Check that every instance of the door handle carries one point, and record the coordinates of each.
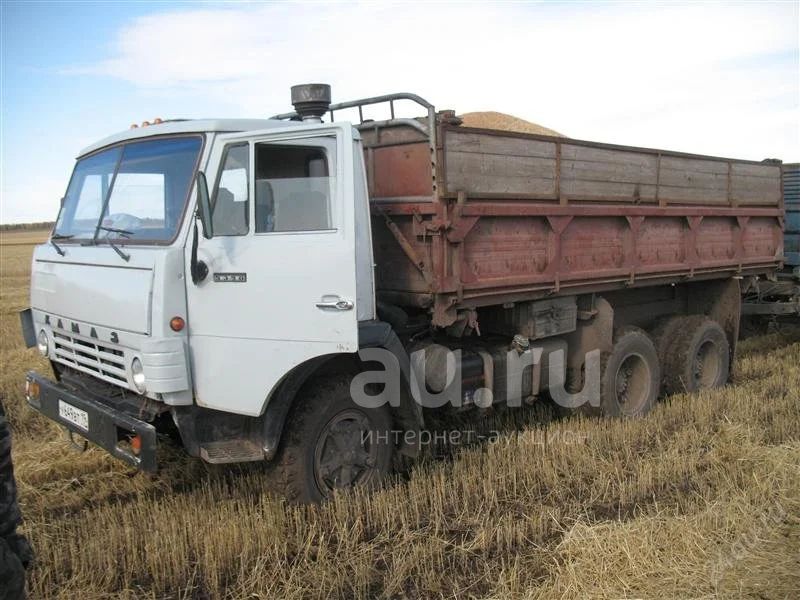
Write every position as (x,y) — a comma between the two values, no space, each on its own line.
(336,305)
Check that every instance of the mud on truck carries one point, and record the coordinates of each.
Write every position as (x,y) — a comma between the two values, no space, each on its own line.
(296,289)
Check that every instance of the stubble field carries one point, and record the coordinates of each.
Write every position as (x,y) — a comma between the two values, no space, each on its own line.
(700,500)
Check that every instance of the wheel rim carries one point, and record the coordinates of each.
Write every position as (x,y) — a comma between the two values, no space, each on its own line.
(632,383)
(345,454)
(706,365)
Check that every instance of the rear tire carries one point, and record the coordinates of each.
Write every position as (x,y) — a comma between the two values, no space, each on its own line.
(629,378)
(698,358)
(631,375)
(664,333)
(331,443)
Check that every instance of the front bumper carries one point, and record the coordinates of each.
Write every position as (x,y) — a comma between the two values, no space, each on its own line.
(107,427)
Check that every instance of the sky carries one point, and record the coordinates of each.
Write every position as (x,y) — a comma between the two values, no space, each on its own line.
(708,78)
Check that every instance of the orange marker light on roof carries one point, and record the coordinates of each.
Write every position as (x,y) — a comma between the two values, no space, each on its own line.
(145,123)
(157,121)
(134,126)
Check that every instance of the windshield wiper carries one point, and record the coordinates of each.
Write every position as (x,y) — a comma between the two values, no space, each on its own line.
(59,236)
(124,232)
(124,256)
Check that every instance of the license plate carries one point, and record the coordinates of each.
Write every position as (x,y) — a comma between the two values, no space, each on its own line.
(74,415)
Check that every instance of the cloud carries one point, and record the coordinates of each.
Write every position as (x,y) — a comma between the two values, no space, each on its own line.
(712,78)
(25,201)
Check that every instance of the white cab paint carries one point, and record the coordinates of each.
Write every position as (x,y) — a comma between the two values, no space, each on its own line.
(93,290)
(245,337)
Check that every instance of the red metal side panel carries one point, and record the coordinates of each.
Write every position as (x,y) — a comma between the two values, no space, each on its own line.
(475,246)
(499,249)
(400,171)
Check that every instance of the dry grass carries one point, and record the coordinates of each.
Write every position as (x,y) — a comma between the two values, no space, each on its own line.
(702,499)
(23,237)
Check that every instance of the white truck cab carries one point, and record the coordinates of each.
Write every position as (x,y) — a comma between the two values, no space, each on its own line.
(145,308)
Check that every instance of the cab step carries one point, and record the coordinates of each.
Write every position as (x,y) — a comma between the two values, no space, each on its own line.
(231,451)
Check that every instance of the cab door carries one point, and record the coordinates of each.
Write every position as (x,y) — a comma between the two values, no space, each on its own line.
(281,283)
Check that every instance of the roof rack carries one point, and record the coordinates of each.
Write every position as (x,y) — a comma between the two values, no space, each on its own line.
(427,129)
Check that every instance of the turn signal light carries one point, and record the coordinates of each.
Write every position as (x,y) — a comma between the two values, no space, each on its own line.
(31,390)
(136,444)
(177,324)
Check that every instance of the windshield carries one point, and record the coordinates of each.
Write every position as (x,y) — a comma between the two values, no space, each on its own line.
(134,191)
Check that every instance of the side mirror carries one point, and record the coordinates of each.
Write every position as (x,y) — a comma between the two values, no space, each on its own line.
(204,206)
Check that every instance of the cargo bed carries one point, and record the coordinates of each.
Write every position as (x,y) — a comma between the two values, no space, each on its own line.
(466,217)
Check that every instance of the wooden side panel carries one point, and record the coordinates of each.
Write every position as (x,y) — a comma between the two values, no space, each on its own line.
(693,181)
(491,165)
(486,164)
(598,174)
(755,184)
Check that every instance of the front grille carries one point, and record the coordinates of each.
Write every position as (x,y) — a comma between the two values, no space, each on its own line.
(90,357)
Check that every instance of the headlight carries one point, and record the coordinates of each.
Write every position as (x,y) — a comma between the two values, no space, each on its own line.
(43,343)
(138,376)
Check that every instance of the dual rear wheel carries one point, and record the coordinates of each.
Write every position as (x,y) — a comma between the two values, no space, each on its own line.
(683,354)
(696,356)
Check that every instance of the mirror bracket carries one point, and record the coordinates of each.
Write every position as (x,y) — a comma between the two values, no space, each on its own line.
(204,206)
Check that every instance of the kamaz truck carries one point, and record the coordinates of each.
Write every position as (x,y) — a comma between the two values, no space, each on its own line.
(308,291)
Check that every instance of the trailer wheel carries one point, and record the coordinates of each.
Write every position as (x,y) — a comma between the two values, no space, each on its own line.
(630,377)
(331,443)
(698,358)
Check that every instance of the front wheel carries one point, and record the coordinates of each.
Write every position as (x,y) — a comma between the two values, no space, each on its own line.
(331,443)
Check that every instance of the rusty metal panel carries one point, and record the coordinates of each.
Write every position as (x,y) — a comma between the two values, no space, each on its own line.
(400,171)
(524,217)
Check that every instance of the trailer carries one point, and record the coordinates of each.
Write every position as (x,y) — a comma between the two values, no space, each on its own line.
(309,292)
(772,300)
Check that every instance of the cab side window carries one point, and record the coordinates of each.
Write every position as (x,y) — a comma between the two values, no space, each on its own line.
(231,204)
(293,189)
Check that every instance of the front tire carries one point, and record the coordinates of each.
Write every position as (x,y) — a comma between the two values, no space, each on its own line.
(331,443)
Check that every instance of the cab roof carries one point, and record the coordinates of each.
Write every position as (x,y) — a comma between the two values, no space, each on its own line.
(188,126)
